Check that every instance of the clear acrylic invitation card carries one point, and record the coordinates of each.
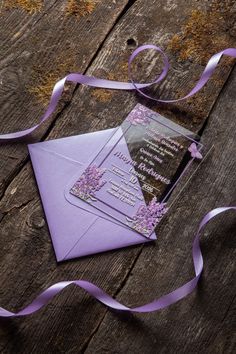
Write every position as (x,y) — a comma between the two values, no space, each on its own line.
(133,175)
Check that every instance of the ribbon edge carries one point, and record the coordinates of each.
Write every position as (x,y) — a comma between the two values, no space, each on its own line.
(110,84)
(166,300)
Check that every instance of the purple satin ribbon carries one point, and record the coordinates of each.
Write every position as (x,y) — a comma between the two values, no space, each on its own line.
(108,301)
(109,84)
(92,289)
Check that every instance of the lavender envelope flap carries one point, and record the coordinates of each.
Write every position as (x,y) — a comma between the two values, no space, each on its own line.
(54,163)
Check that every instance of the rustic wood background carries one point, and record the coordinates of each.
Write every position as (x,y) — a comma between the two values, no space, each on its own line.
(42,41)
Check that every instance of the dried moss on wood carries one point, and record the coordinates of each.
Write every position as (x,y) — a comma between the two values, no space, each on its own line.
(205,32)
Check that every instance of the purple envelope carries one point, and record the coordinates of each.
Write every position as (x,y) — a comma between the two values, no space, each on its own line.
(77,228)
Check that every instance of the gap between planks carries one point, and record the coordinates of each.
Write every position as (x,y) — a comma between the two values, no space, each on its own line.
(51,126)
(53,123)
(123,283)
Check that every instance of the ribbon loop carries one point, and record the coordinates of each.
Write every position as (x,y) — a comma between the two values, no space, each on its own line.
(117,85)
(91,288)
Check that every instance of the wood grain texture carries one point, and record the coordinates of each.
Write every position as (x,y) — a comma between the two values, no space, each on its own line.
(205,320)
(36,51)
(27,261)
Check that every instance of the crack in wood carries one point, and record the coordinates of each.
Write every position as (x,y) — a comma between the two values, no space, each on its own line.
(206,121)
(121,286)
(11,178)
(52,125)
(16,207)
(205,338)
(125,277)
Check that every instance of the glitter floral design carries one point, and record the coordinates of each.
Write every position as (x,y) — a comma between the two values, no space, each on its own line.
(89,183)
(139,116)
(147,217)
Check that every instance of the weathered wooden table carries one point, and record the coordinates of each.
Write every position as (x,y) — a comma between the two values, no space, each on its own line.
(41,41)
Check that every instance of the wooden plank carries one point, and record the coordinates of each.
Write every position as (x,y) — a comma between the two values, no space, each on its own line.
(100,108)
(36,60)
(37,49)
(74,316)
(205,319)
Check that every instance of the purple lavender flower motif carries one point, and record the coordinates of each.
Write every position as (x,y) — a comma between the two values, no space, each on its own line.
(89,183)
(147,217)
(139,116)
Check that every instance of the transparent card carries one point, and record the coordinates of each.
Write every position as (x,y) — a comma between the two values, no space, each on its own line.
(132,177)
